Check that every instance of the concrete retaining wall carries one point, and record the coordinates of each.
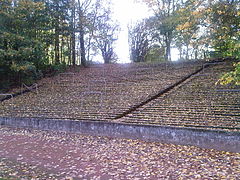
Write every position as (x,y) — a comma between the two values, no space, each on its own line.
(220,140)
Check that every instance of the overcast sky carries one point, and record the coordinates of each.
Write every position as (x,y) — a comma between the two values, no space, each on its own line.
(125,12)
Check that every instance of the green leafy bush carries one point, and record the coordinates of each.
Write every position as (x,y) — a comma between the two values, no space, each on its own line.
(231,77)
(52,69)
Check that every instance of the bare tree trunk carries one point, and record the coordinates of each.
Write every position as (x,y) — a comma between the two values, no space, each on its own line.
(92,32)
(81,33)
(69,42)
(187,53)
(180,50)
(82,47)
(57,45)
(57,32)
(73,49)
(73,37)
(196,54)
(62,57)
(168,49)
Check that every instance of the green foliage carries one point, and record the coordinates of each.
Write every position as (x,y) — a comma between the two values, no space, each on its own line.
(5,85)
(155,53)
(59,68)
(225,33)
(24,67)
(225,26)
(53,69)
(215,54)
(25,41)
(231,77)
(199,27)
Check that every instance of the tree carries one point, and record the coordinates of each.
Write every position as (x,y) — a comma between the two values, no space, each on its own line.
(225,32)
(232,76)
(21,49)
(225,27)
(83,7)
(186,35)
(106,35)
(58,12)
(105,42)
(164,12)
(139,41)
(73,31)
(155,53)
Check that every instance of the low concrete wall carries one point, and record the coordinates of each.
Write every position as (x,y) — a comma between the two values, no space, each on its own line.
(220,140)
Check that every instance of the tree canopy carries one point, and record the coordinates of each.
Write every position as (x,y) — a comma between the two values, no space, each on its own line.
(40,36)
(197,29)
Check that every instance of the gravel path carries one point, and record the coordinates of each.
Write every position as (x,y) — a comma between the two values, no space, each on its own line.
(33,154)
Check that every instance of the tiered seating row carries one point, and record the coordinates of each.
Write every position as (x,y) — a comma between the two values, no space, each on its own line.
(98,92)
(197,103)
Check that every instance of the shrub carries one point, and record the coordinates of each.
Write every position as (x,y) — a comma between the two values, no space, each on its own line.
(231,77)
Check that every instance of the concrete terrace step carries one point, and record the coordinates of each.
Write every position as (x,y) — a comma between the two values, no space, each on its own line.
(190,124)
(211,110)
(123,94)
(185,122)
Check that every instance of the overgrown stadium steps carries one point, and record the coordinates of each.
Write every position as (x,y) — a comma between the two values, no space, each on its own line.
(61,99)
(58,100)
(198,102)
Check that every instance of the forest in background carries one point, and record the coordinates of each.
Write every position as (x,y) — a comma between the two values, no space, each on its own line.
(197,28)
(39,37)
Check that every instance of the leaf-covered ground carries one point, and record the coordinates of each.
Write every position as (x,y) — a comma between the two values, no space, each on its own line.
(32,154)
(198,102)
(104,92)
(13,169)
(98,92)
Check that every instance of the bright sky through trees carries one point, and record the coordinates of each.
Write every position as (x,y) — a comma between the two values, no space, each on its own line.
(125,12)
(39,38)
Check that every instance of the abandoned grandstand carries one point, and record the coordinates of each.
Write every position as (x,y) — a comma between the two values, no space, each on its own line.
(170,102)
